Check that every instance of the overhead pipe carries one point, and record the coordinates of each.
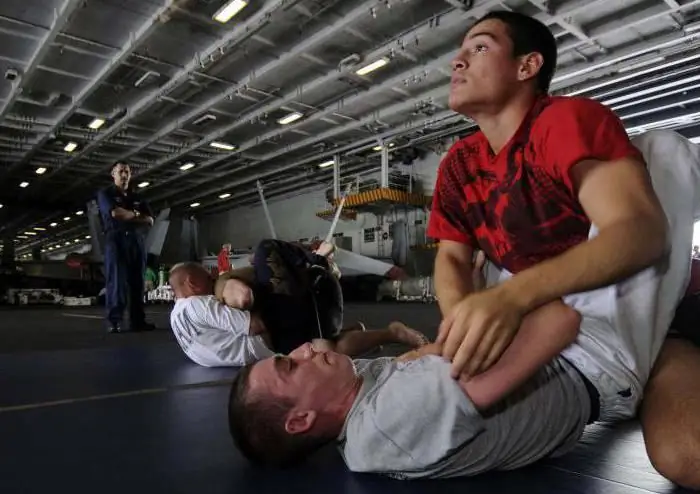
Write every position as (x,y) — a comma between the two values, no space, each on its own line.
(405,39)
(323,113)
(137,38)
(236,35)
(62,15)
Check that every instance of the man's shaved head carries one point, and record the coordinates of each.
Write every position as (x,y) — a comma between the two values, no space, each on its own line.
(190,279)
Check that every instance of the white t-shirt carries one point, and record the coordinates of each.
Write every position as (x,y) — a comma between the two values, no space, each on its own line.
(215,335)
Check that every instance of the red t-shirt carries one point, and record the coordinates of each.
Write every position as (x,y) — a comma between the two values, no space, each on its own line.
(520,206)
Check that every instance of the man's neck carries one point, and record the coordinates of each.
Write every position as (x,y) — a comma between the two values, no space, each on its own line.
(500,125)
(341,409)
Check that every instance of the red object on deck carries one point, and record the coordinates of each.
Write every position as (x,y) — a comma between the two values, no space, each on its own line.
(223,261)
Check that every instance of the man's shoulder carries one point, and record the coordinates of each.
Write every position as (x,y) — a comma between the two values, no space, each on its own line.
(195,302)
(553,108)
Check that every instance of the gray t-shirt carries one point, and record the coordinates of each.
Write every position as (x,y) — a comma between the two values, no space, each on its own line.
(412,420)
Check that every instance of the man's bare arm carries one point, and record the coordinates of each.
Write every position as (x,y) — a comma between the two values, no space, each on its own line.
(453,279)
(619,199)
(544,334)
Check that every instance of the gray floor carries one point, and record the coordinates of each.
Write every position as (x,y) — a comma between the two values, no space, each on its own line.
(49,328)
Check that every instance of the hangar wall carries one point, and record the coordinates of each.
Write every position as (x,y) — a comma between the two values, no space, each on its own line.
(295,218)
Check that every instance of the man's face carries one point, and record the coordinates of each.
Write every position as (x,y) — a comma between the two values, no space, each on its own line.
(484,72)
(121,174)
(313,381)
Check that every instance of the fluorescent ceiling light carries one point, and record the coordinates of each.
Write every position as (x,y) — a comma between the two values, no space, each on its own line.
(326,164)
(30,233)
(292,117)
(222,145)
(78,213)
(379,148)
(22,237)
(76,240)
(39,229)
(53,225)
(144,184)
(372,67)
(230,9)
(40,171)
(24,185)
(695,140)
(1,206)
(70,147)
(96,124)
(187,166)
(87,237)
(67,243)
(225,196)
(67,218)
(194,204)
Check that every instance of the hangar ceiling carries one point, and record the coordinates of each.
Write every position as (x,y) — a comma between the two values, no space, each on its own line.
(203,107)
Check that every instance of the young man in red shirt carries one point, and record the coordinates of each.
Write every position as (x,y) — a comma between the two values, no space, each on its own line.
(555,194)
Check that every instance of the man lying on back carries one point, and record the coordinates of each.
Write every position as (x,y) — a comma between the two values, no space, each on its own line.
(255,323)
(408,417)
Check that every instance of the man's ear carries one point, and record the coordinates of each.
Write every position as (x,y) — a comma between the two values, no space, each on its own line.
(299,422)
(531,65)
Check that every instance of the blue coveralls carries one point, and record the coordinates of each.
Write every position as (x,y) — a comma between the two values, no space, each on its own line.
(124,256)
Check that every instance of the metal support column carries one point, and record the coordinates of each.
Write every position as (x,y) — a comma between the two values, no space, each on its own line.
(384,175)
(336,176)
(273,234)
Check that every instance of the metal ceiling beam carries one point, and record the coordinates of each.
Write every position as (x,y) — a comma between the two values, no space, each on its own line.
(363,10)
(383,113)
(654,11)
(135,40)
(325,112)
(61,17)
(411,37)
(234,37)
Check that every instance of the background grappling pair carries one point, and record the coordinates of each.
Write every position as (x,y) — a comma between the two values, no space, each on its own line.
(289,296)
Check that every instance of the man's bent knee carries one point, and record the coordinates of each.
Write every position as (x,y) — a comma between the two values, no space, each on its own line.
(670,414)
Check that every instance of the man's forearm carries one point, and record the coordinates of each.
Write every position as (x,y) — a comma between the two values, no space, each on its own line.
(453,281)
(615,254)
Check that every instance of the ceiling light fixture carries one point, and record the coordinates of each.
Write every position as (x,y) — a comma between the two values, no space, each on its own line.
(225,196)
(78,213)
(67,218)
(70,147)
(229,10)
(96,124)
(53,225)
(292,117)
(326,164)
(24,185)
(222,145)
(144,184)
(373,66)
(40,171)
(187,166)
(194,204)
(39,229)
(30,233)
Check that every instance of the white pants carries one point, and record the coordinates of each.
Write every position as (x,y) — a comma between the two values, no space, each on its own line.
(624,325)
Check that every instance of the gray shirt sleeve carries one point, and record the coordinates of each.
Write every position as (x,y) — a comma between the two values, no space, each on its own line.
(412,417)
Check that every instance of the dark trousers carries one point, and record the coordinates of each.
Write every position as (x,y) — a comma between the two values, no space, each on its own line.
(288,298)
(125,265)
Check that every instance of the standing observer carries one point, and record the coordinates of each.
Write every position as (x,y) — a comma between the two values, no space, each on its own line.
(125,218)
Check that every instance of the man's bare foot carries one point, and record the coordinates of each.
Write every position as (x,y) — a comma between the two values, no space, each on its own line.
(407,336)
